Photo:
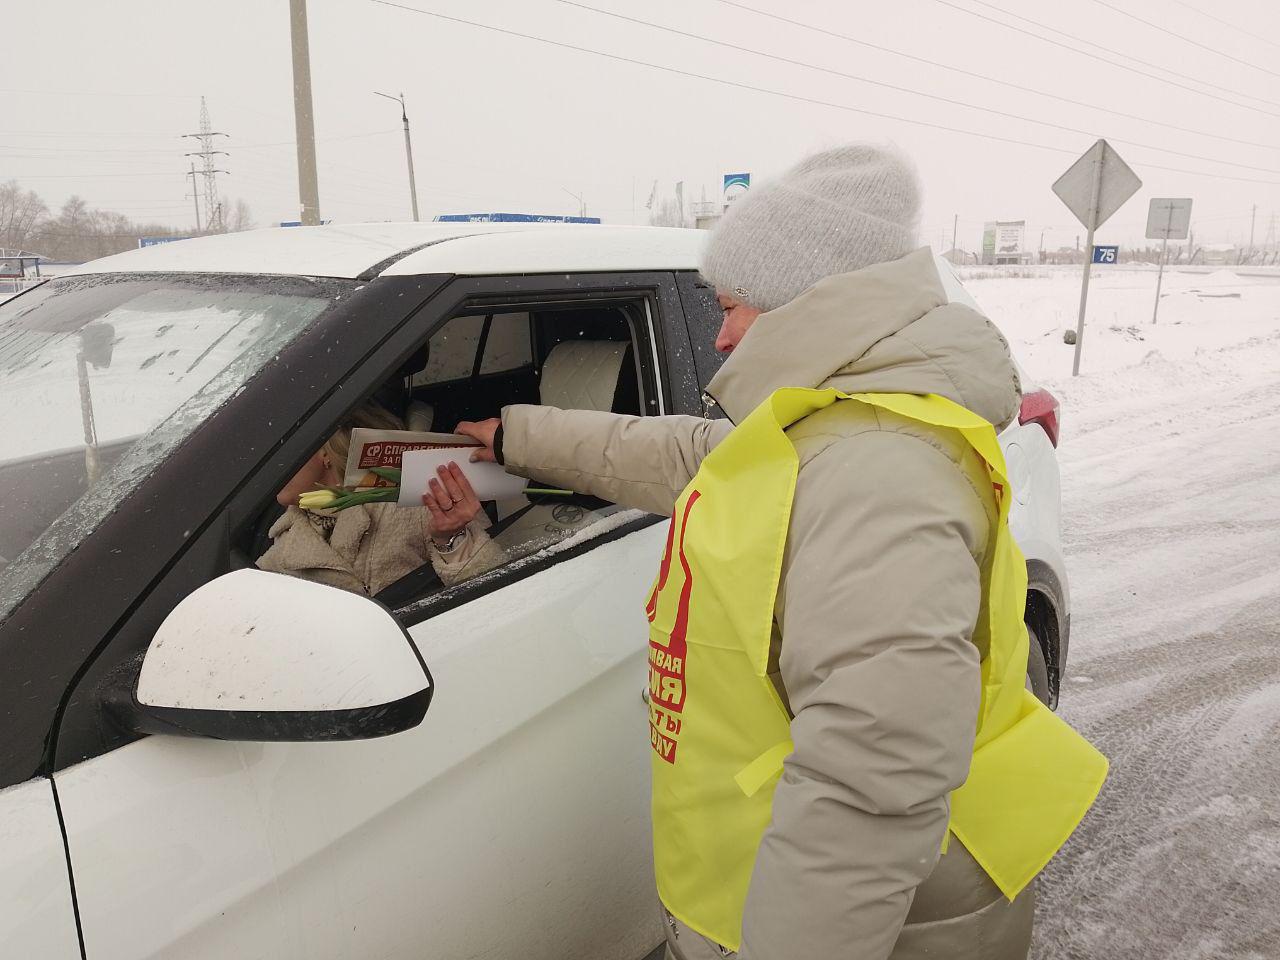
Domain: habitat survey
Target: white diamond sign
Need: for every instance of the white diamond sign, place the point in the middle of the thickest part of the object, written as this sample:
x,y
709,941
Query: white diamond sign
x,y
1097,185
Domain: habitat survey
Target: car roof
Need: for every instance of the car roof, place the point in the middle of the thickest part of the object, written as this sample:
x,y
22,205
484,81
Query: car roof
x,y
366,250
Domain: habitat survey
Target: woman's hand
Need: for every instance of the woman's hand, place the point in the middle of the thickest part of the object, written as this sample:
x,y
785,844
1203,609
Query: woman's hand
x,y
484,431
451,502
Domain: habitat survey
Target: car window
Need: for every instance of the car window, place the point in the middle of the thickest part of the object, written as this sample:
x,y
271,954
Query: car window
x,y
580,356
508,345
454,347
102,377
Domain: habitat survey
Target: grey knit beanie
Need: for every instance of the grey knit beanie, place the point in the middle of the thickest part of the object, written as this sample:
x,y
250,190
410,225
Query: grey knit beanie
x,y
834,212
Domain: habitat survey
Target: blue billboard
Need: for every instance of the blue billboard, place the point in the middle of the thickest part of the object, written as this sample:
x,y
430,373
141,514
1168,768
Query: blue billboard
x,y
510,218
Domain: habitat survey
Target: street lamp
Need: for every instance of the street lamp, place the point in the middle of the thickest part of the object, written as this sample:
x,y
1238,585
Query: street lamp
x,y
408,150
582,204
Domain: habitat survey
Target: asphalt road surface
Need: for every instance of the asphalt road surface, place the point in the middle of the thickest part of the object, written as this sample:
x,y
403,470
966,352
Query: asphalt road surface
x,y
1171,497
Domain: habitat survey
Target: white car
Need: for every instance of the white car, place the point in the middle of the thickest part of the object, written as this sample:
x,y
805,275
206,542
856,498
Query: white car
x,y
192,763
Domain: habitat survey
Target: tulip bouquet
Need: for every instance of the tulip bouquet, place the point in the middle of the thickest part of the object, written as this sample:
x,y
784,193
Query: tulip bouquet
x,y
339,498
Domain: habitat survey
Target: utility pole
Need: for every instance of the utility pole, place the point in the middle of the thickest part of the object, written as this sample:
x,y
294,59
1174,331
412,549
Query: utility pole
x,y
955,224
1253,217
195,194
408,150
303,119
212,208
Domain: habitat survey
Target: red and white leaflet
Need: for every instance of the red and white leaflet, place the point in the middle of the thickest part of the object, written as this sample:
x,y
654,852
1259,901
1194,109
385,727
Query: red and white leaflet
x,y
384,448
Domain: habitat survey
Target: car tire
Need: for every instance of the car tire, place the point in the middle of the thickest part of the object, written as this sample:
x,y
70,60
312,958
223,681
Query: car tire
x,y
1037,668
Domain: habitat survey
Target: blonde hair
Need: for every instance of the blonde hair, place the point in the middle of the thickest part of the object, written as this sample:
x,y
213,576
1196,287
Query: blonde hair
x,y
371,416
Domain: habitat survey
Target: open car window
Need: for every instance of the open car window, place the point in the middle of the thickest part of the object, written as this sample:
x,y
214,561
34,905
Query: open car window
x,y
586,355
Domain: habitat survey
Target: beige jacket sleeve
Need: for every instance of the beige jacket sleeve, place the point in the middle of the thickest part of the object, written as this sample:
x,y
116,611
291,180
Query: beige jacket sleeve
x,y
641,462
876,610
476,554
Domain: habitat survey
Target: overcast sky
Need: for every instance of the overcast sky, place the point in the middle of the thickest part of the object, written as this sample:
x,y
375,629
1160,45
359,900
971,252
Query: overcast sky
x,y
95,96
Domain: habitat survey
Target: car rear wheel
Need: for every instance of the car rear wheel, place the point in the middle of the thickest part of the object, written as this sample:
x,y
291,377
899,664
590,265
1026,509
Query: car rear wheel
x,y
1037,668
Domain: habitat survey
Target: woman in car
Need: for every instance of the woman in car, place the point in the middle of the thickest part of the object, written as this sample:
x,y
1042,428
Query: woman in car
x,y
368,547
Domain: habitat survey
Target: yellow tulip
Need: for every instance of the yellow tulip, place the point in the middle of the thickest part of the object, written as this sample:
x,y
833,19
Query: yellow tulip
x,y
317,499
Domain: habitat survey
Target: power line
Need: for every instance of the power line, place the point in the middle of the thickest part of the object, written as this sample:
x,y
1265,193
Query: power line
x,y
892,86
1094,56
1227,23
788,96
1194,43
982,76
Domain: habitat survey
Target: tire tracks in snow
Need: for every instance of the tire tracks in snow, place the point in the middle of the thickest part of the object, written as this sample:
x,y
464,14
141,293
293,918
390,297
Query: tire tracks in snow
x,y
1173,546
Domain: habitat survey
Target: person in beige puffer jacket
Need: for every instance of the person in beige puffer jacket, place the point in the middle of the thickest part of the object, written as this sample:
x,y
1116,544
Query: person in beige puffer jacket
x,y
872,644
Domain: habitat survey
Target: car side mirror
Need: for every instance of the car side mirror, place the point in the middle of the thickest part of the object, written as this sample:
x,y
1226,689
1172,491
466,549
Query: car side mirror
x,y
263,656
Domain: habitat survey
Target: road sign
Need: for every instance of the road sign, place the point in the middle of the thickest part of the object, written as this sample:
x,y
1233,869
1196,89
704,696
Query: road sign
x,y
1102,169
1093,188
1105,254
154,241
1169,218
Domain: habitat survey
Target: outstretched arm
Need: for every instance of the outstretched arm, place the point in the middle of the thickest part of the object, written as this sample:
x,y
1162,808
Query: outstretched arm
x,y
642,462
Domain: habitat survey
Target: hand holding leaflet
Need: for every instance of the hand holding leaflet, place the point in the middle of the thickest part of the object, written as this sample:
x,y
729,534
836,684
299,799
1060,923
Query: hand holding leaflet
x,y
490,481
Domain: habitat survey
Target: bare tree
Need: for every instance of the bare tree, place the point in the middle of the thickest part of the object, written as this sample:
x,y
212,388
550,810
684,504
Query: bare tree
x,y
239,218
78,232
21,212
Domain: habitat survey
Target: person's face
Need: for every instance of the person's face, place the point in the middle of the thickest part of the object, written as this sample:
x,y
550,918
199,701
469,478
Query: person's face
x,y
312,472
738,318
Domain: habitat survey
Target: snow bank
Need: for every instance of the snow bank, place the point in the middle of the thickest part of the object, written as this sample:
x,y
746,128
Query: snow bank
x,y
1199,312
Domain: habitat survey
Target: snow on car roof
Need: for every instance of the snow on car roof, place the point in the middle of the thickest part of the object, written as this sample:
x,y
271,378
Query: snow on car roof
x,y
353,250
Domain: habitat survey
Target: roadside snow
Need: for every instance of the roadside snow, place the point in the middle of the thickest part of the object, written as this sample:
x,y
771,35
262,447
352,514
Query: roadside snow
x,y
1170,459
1198,313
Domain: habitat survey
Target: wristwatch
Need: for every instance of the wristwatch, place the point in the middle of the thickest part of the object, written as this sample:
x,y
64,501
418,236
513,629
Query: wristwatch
x,y
452,543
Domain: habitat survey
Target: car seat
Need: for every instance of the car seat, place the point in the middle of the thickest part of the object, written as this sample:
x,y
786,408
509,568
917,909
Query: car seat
x,y
589,375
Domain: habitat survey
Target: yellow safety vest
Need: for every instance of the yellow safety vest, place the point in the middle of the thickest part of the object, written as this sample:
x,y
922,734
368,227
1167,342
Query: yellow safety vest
x,y
719,730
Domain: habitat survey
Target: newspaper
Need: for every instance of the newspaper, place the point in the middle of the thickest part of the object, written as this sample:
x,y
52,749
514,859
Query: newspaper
x,y
384,448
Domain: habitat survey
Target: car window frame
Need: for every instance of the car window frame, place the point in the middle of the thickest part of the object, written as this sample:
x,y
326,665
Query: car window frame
x,y
703,322
657,293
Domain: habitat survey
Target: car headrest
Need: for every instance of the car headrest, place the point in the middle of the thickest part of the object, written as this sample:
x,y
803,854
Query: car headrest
x,y
582,374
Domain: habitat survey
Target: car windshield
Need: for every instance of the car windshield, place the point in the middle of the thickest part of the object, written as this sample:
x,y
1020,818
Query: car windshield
x,y
101,378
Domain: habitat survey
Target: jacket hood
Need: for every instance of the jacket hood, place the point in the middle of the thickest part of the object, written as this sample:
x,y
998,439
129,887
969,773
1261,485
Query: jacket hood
x,y
887,328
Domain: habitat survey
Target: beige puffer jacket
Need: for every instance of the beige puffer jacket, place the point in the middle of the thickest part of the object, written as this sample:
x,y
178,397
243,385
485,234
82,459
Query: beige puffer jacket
x,y
370,547
875,610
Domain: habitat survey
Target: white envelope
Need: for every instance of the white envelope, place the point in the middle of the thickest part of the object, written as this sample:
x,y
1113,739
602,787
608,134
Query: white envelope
x,y
490,480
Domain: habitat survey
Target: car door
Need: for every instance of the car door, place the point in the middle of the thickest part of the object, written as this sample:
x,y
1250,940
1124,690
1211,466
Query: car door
x,y
36,915
513,822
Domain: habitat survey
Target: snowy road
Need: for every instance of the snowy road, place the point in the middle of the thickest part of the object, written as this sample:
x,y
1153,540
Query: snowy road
x,y
1171,502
